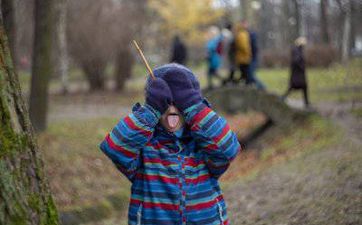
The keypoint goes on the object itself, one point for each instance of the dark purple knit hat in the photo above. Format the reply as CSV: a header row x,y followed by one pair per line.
x,y
172,68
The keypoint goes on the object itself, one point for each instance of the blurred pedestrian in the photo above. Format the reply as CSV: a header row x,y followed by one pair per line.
x,y
214,51
179,51
229,52
242,50
298,77
252,79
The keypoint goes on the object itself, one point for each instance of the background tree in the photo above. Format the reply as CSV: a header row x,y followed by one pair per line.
x,y
92,30
134,11
345,8
61,59
187,20
245,9
24,193
324,25
41,63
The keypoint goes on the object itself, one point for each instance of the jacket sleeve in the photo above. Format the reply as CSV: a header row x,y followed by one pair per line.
x,y
124,143
213,136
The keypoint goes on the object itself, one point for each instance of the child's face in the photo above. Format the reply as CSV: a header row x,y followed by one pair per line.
x,y
172,120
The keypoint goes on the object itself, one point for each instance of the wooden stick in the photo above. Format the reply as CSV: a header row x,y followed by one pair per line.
x,y
144,60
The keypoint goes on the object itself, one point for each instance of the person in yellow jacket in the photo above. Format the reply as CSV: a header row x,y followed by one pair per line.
x,y
243,53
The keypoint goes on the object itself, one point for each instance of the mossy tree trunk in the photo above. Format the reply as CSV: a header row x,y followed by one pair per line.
x,y
8,13
41,65
24,194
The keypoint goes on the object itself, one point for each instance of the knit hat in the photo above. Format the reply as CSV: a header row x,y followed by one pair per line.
x,y
172,68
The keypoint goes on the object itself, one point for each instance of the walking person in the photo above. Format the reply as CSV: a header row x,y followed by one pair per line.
x,y
179,51
229,53
298,79
242,50
252,78
214,50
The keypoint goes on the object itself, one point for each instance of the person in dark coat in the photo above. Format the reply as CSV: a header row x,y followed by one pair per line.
x,y
179,51
298,78
252,78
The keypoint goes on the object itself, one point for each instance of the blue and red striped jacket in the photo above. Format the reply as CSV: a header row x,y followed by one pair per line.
x,y
174,179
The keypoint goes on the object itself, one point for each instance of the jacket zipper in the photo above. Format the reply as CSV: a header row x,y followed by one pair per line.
x,y
139,215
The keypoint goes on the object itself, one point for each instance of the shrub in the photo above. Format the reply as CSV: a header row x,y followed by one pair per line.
x,y
315,56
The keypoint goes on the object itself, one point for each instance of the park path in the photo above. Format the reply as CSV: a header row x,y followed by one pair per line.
x,y
323,187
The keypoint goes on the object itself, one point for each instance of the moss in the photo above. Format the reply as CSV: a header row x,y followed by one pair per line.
x,y
51,213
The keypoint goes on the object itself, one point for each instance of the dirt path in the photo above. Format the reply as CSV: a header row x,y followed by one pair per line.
x,y
323,187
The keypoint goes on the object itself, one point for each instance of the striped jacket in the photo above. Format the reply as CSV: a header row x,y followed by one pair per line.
x,y
174,180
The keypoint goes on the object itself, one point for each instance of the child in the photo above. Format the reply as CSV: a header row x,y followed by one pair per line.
x,y
173,149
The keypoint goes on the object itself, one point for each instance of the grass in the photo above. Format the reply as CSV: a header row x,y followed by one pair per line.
x,y
314,134
357,112
79,172
336,83
325,84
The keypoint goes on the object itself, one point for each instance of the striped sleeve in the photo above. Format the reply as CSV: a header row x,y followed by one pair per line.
x,y
213,135
123,144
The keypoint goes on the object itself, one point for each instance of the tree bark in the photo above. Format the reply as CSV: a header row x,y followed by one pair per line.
x,y
24,192
42,65
324,22
8,13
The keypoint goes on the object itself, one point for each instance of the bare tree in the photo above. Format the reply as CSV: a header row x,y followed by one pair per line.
x,y
24,194
136,12
324,25
61,61
345,8
92,39
245,9
41,64
298,17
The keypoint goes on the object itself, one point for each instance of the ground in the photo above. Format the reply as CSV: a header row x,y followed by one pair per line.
x,y
323,187
311,175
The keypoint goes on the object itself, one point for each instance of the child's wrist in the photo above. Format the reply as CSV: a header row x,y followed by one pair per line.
x,y
147,114
190,112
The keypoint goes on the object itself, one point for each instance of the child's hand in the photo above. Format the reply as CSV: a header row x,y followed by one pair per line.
x,y
183,92
158,95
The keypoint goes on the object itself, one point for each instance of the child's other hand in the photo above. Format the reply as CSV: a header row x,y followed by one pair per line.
x,y
158,95
183,91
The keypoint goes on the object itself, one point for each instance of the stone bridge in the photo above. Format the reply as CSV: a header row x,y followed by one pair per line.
x,y
242,98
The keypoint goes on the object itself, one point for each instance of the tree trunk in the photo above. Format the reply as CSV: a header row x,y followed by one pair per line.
x,y
62,62
346,36
245,9
324,25
41,66
124,64
94,71
24,192
298,18
355,11
8,13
